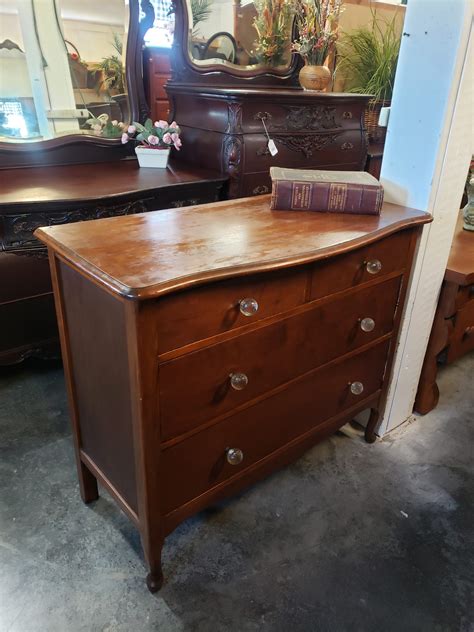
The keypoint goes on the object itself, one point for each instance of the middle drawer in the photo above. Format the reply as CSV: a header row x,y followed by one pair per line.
x,y
202,385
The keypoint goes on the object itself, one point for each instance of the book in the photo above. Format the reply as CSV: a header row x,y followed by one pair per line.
x,y
325,191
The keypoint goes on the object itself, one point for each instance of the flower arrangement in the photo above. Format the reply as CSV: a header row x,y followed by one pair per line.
x,y
102,126
273,26
317,22
158,135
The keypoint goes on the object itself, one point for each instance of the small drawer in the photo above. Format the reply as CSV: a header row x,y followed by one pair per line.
x,y
202,385
359,266
461,340
201,462
298,149
292,119
199,313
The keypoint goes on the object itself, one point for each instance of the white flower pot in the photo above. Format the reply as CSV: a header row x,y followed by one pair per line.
x,y
152,157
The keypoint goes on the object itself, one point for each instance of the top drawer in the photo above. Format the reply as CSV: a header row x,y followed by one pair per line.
x,y
212,309
359,266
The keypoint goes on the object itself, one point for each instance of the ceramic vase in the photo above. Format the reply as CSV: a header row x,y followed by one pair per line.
x,y
315,78
153,157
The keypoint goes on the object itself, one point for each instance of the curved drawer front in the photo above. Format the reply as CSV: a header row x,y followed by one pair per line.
x,y
197,464
230,373
196,314
304,150
301,118
376,260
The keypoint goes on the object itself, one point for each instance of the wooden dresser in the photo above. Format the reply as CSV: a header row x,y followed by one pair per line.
x,y
206,347
224,129
452,334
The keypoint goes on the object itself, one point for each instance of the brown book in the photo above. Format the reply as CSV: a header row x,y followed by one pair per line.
x,y
325,191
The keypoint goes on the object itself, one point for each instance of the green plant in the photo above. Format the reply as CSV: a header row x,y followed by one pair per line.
x,y
113,69
317,22
201,10
368,58
273,26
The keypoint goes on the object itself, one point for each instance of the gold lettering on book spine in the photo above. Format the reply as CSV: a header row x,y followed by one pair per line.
x,y
337,197
300,196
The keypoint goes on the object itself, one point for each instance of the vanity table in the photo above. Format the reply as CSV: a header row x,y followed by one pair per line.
x,y
226,340
57,195
227,110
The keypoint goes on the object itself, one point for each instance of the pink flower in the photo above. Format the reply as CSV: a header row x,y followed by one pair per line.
x,y
173,125
162,124
124,138
167,138
132,129
153,140
176,140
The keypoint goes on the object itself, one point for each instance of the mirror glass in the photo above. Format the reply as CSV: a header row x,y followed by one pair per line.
x,y
62,68
240,33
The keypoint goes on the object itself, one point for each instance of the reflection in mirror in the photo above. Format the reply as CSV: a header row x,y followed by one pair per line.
x,y
240,32
162,32
61,65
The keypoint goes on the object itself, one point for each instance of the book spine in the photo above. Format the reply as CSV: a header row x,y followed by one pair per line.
x,y
326,197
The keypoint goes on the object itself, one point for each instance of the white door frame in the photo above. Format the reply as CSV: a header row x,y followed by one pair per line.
x,y
427,152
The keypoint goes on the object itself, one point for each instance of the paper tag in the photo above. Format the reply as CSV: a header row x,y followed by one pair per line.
x,y
272,148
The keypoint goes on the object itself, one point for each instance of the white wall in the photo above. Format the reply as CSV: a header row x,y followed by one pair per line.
x,y
426,158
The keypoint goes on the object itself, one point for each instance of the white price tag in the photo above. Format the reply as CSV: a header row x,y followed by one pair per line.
x,y
272,148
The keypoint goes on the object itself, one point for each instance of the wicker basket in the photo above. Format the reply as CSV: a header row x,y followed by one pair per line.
x,y
375,133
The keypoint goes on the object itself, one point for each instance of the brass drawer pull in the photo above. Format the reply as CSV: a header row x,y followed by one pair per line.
x,y
367,324
248,306
347,115
234,456
238,381
357,388
346,146
373,266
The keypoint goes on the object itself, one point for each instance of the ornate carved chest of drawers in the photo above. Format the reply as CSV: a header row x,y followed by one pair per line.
x,y
207,347
226,129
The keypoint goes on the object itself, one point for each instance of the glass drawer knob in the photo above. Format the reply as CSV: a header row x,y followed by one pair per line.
x,y
373,266
234,456
357,388
367,324
238,381
248,306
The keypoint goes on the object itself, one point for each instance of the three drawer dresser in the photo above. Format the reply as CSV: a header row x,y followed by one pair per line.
x,y
205,347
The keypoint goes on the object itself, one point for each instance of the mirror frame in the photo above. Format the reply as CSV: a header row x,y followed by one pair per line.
x,y
184,70
83,148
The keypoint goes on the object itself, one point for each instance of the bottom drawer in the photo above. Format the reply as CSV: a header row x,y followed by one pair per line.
x,y
189,468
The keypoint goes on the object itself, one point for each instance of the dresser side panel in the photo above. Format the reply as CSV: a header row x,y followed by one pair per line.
x,y
99,372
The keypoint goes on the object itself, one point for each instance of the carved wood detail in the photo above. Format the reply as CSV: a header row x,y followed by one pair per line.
x,y
234,118
231,159
315,118
307,145
18,229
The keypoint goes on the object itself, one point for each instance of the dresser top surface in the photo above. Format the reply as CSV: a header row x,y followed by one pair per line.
x,y
73,183
150,254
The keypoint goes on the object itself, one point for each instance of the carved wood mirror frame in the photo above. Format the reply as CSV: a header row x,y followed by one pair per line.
x,y
184,70
83,148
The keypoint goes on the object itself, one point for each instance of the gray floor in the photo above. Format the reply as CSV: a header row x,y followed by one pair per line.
x,y
351,537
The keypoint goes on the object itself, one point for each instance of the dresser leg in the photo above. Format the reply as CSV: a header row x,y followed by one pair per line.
x,y
370,435
154,581
87,484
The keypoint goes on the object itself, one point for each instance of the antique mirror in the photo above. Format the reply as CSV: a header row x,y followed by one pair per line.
x,y
248,39
70,73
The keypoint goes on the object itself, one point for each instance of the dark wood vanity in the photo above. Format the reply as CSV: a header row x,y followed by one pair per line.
x,y
228,112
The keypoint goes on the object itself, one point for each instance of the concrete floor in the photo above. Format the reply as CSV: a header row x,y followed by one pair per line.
x,y
351,537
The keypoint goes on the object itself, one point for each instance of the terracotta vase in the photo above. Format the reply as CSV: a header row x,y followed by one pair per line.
x,y
315,78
